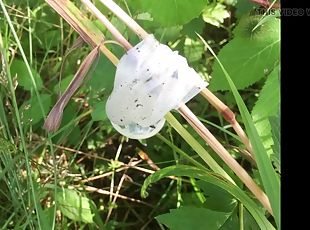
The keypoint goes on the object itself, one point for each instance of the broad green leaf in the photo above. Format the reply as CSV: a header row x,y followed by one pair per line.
x,y
269,177
213,178
217,199
194,26
102,78
99,113
232,223
31,112
215,14
173,12
19,69
268,104
250,55
167,34
74,206
243,8
60,88
189,217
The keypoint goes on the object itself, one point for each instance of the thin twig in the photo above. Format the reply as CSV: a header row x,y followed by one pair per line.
x,y
105,192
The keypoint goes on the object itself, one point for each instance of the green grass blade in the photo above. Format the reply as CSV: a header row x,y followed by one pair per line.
x,y
269,177
196,146
213,178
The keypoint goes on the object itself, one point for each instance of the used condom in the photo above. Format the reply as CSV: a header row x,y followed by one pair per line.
x,y
150,80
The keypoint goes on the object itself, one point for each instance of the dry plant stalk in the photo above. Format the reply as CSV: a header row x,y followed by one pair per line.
x,y
53,119
82,25
188,115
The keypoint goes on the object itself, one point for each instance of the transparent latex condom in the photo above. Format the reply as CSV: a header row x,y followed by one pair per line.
x,y
150,80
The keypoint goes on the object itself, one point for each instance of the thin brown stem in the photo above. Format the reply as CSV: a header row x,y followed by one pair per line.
x,y
105,192
224,154
228,116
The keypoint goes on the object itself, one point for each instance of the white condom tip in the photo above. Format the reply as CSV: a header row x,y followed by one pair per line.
x,y
150,80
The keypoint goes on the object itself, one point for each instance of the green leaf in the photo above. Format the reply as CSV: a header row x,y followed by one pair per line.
x,y
249,222
173,12
275,129
213,178
250,55
188,217
75,206
102,79
215,14
30,111
19,69
99,113
243,7
49,217
232,223
60,88
268,104
194,26
269,177
167,34
217,199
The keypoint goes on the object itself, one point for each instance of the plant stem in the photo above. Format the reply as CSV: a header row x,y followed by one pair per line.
x,y
228,116
224,154
90,33
118,36
121,14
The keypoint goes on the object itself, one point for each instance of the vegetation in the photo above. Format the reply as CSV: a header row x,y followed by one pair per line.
x,y
85,175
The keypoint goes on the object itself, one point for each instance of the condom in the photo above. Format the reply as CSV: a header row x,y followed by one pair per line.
x,y
150,81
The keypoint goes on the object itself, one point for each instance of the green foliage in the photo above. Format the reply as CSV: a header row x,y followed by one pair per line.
x,y
173,12
188,217
29,111
275,130
270,180
250,55
19,69
217,199
267,105
216,179
75,206
98,113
